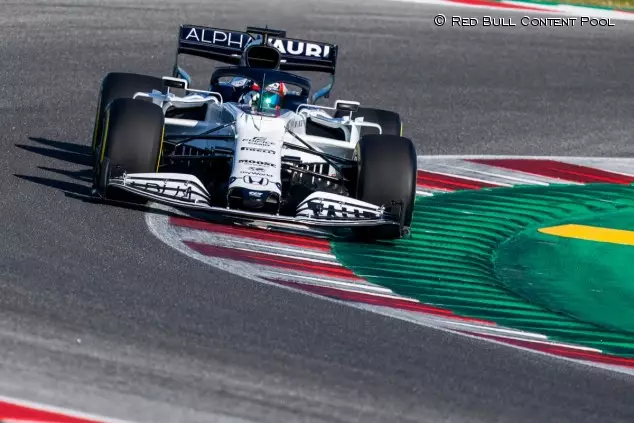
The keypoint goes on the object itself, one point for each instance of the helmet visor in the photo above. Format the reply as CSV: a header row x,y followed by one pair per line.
x,y
270,101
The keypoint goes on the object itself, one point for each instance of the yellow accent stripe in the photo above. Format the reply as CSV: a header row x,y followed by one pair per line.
x,y
591,233
105,135
158,162
401,129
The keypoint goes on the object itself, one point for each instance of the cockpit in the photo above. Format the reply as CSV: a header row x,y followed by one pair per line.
x,y
262,91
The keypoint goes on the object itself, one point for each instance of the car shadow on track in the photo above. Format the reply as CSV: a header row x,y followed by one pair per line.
x,y
63,151
79,188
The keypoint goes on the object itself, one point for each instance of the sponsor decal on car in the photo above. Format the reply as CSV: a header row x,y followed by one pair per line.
x,y
300,48
258,150
257,162
216,37
322,208
175,190
255,180
296,123
258,141
256,173
239,40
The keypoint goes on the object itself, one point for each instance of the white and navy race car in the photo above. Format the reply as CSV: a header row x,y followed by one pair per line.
x,y
255,148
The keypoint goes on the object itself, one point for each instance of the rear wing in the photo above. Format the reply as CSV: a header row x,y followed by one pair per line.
x,y
210,43
227,46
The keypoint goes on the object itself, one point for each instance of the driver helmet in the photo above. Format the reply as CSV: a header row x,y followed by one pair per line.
x,y
272,96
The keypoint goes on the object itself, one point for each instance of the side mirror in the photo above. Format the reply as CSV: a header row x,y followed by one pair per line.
x,y
347,106
172,82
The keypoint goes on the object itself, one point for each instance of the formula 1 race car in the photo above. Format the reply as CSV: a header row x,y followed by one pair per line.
x,y
255,148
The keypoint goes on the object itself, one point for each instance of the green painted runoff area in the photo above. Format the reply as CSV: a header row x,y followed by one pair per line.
x,y
624,5
589,280
449,261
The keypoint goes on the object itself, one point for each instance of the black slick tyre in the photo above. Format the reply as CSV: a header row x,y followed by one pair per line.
x,y
120,85
386,173
390,122
131,143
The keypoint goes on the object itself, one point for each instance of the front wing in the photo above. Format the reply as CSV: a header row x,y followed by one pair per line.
x,y
321,211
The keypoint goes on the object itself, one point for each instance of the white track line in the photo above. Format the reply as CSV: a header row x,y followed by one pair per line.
x,y
367,287
223,240
495,173
502,330
555,344
310,260
357,283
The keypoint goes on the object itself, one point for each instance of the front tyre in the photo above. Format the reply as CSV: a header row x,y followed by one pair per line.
x,y
120,85
386,173
132,142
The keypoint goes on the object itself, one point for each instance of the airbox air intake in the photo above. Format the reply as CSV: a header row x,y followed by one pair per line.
x,y
264,57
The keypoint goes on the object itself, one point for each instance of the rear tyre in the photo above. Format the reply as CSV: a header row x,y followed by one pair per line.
x,y
390,122
120,85
386,173
132,143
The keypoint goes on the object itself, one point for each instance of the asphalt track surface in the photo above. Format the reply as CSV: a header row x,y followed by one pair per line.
x,y
96,314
